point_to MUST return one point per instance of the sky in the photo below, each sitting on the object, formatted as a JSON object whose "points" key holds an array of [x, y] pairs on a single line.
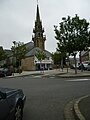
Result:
{"points": [[17, 19]]}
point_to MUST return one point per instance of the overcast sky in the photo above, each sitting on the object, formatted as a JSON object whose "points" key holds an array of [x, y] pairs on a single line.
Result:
{"points": [[17, 19]]}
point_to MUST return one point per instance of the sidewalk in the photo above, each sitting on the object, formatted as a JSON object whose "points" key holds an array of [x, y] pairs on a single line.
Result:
{"points": [[58, 72], [78, 109], [84, 106]]}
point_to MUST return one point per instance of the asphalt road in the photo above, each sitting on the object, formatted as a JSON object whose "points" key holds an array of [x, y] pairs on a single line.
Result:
{"points": [[47, 96]]}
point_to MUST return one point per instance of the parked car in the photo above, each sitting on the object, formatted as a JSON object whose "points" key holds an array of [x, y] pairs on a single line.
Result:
{"points": [[84, 64], [11, 104], [2, 72], [88, 67], [5, 72]]}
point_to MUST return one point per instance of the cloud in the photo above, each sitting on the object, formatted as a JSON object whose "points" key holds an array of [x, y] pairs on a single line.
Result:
{"points": [[17, 18]]}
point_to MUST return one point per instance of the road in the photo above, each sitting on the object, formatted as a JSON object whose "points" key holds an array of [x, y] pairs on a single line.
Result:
{"points": [[47, 96]]}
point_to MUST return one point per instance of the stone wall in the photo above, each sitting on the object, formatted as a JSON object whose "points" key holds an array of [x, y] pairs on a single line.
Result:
{"points": [[28, 63]]}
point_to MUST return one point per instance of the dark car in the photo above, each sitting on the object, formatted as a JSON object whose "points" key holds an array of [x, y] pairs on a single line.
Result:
{"points": [[11, 104], [84, 65], [2, 72], [88, 67], [5, 72]]}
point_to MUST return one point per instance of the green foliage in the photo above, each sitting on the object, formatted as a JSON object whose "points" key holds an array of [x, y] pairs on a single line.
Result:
{"points": [[19, 51], [72, 35], [40, 55], [56, 57], [2, 54]]}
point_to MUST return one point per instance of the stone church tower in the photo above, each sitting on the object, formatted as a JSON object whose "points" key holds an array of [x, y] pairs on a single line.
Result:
{"points": [[30, 62], [38, 38]]}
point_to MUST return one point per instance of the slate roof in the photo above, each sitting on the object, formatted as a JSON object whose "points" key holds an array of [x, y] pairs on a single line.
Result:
{"points": [[29, 46], [8, 52], [33, 51], [47, 53]]}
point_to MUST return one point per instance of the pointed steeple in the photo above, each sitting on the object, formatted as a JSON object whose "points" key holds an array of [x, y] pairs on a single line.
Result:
{"points": [[37, 15], [38, 37]]}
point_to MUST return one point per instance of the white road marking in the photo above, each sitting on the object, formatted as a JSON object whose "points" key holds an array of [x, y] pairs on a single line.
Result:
{"points": [[52, 77], [77, 80], [37, 76]]}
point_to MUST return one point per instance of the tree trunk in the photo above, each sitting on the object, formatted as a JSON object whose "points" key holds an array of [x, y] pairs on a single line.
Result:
{"points": [[75, 63], [62, 64], [80, 57]]}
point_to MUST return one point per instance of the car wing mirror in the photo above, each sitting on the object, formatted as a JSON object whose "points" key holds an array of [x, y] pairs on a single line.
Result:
{"points": [[3, 95]]}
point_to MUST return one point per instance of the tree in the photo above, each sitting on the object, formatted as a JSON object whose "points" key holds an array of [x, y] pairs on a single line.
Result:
{"points": [[19, 51], [40, 55], [59, 59], [56, 58], [72, 35], [2, 54]]}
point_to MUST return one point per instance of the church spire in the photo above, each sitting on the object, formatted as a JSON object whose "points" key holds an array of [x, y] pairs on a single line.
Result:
{"points": [[38, 37], [37, 15]]}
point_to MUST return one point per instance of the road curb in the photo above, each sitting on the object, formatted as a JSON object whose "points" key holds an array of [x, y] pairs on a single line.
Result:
{"points": [[77, 76], [77, 111], [14, 76], [68, 111], [72, 111], [55, 75]]}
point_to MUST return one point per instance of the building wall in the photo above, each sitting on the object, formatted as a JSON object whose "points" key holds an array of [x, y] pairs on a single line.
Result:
{"points": [[89, 55], [28, 63], [85, 57], [72, 61]]}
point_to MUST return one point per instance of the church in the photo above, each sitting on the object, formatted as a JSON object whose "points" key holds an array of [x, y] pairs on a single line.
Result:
{"points": [[30, 62]]}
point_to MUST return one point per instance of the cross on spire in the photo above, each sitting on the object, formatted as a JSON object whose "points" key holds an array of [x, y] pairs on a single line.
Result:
{"points": [[37, 1]]}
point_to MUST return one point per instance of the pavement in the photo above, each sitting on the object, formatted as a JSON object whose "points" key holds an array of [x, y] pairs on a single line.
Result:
{"points": [[57, 72], [77, 109]]}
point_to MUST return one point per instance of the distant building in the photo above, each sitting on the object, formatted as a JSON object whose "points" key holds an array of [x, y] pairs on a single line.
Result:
{"points": [[8, 59], [38, 43], [85, 55]]}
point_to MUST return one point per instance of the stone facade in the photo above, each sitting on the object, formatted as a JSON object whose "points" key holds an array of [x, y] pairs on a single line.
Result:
{"points": [[85, 55], [28, 63]]}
